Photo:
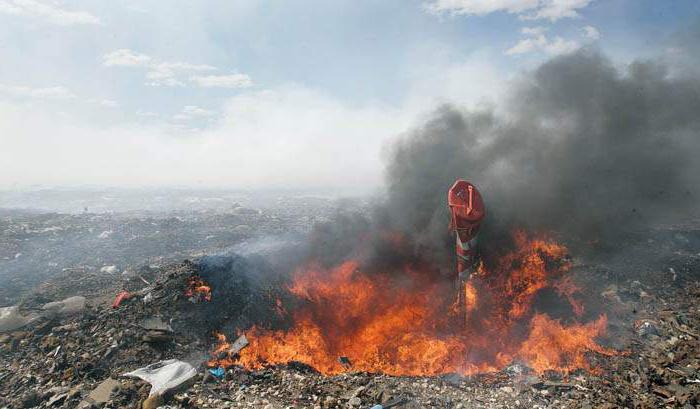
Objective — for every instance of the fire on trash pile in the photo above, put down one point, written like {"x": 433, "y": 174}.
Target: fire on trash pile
{"x": 211, "y": 333}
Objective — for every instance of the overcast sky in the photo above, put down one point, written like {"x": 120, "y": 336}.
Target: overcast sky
{"x": 245, "y": 94}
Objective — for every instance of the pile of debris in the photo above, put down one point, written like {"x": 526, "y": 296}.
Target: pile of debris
{"x": 147, "y": 343}
{"x": 662, "y": 363}
{"x": 40, "y": 246}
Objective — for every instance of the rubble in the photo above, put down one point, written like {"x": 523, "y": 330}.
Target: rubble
{"x": 38, "y": 246}
{"x": 77, "y": 359}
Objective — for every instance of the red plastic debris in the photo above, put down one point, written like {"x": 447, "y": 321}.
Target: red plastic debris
{"x": 122, "y": 296}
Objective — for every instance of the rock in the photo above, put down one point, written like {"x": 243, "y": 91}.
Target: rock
{"x": 101, "y": 394}
{"x": 355, "y": 402}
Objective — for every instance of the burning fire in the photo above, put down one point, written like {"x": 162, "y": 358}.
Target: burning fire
{"x": 221, "y": 355}
{"x": 403, "y": 324}
{"x": 197, "y": 289}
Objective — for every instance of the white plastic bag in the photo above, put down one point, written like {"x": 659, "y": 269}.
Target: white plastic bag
{"x": 164, "y": 375}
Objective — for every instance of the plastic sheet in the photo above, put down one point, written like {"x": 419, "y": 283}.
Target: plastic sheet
{"x": 11, "y": 319}
{"x": 164, "y": 375}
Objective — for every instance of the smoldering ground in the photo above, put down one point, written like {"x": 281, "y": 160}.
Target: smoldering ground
{"x": 585, "y": 149}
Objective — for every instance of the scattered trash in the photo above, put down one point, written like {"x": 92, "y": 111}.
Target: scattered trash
{"x": 218, "y": 372}
{"x": 240, "y": 343}
{"x": 611, "y": 294}
{"x": 109, "y": 269}
{"x": 390, "y": 404}
{"x": 155, "y": 324}
{"x": 157, "y": 337}
{"x": 344, "y": 361}
{"x": 110, "y": 351}
{"x": 646, "y": 328}
{"x": 121, "y": 297}
{"x": 57, "y": 399}
{"x": 65, "y": 328}
{"x": 65, "y": 364}
{"x": 164, "y": 375}
{"x": 517, "y": 368}
{"x": 674, "y": 275}
{"x": 101, "y": 394}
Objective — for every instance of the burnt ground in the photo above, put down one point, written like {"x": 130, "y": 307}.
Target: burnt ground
{"x": 650, "y": 292}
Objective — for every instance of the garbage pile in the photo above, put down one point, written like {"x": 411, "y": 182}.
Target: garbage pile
{"x": 75, "y": 353}
{"x": 38, "y": 246}
{"x": 146, "y": 342}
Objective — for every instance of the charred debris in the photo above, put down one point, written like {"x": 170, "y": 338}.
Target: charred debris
{"x": 70, "y": 354}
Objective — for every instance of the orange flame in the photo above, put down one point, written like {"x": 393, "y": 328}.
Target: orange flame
{"x": 220, "y": 354}
{"x": 197, "y": 289}
{"x": 222, "y": 343}
{"x": 550, "y": 345}
{"x": 529, "y": 268}
{"x": 400, "y": 323}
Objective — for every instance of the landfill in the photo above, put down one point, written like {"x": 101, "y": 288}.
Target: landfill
{"x": 67, "y": 343}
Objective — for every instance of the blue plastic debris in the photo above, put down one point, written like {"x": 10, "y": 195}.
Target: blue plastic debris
{"x": 218, "y": 372}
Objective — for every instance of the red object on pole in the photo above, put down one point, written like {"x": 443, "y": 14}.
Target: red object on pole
{"x": 467, "y": 211}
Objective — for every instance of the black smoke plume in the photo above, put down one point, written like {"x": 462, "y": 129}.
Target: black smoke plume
{"x": 584, "y": 149}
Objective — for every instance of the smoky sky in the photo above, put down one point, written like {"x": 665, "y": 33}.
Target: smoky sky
{"x": 584, "y": 149}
